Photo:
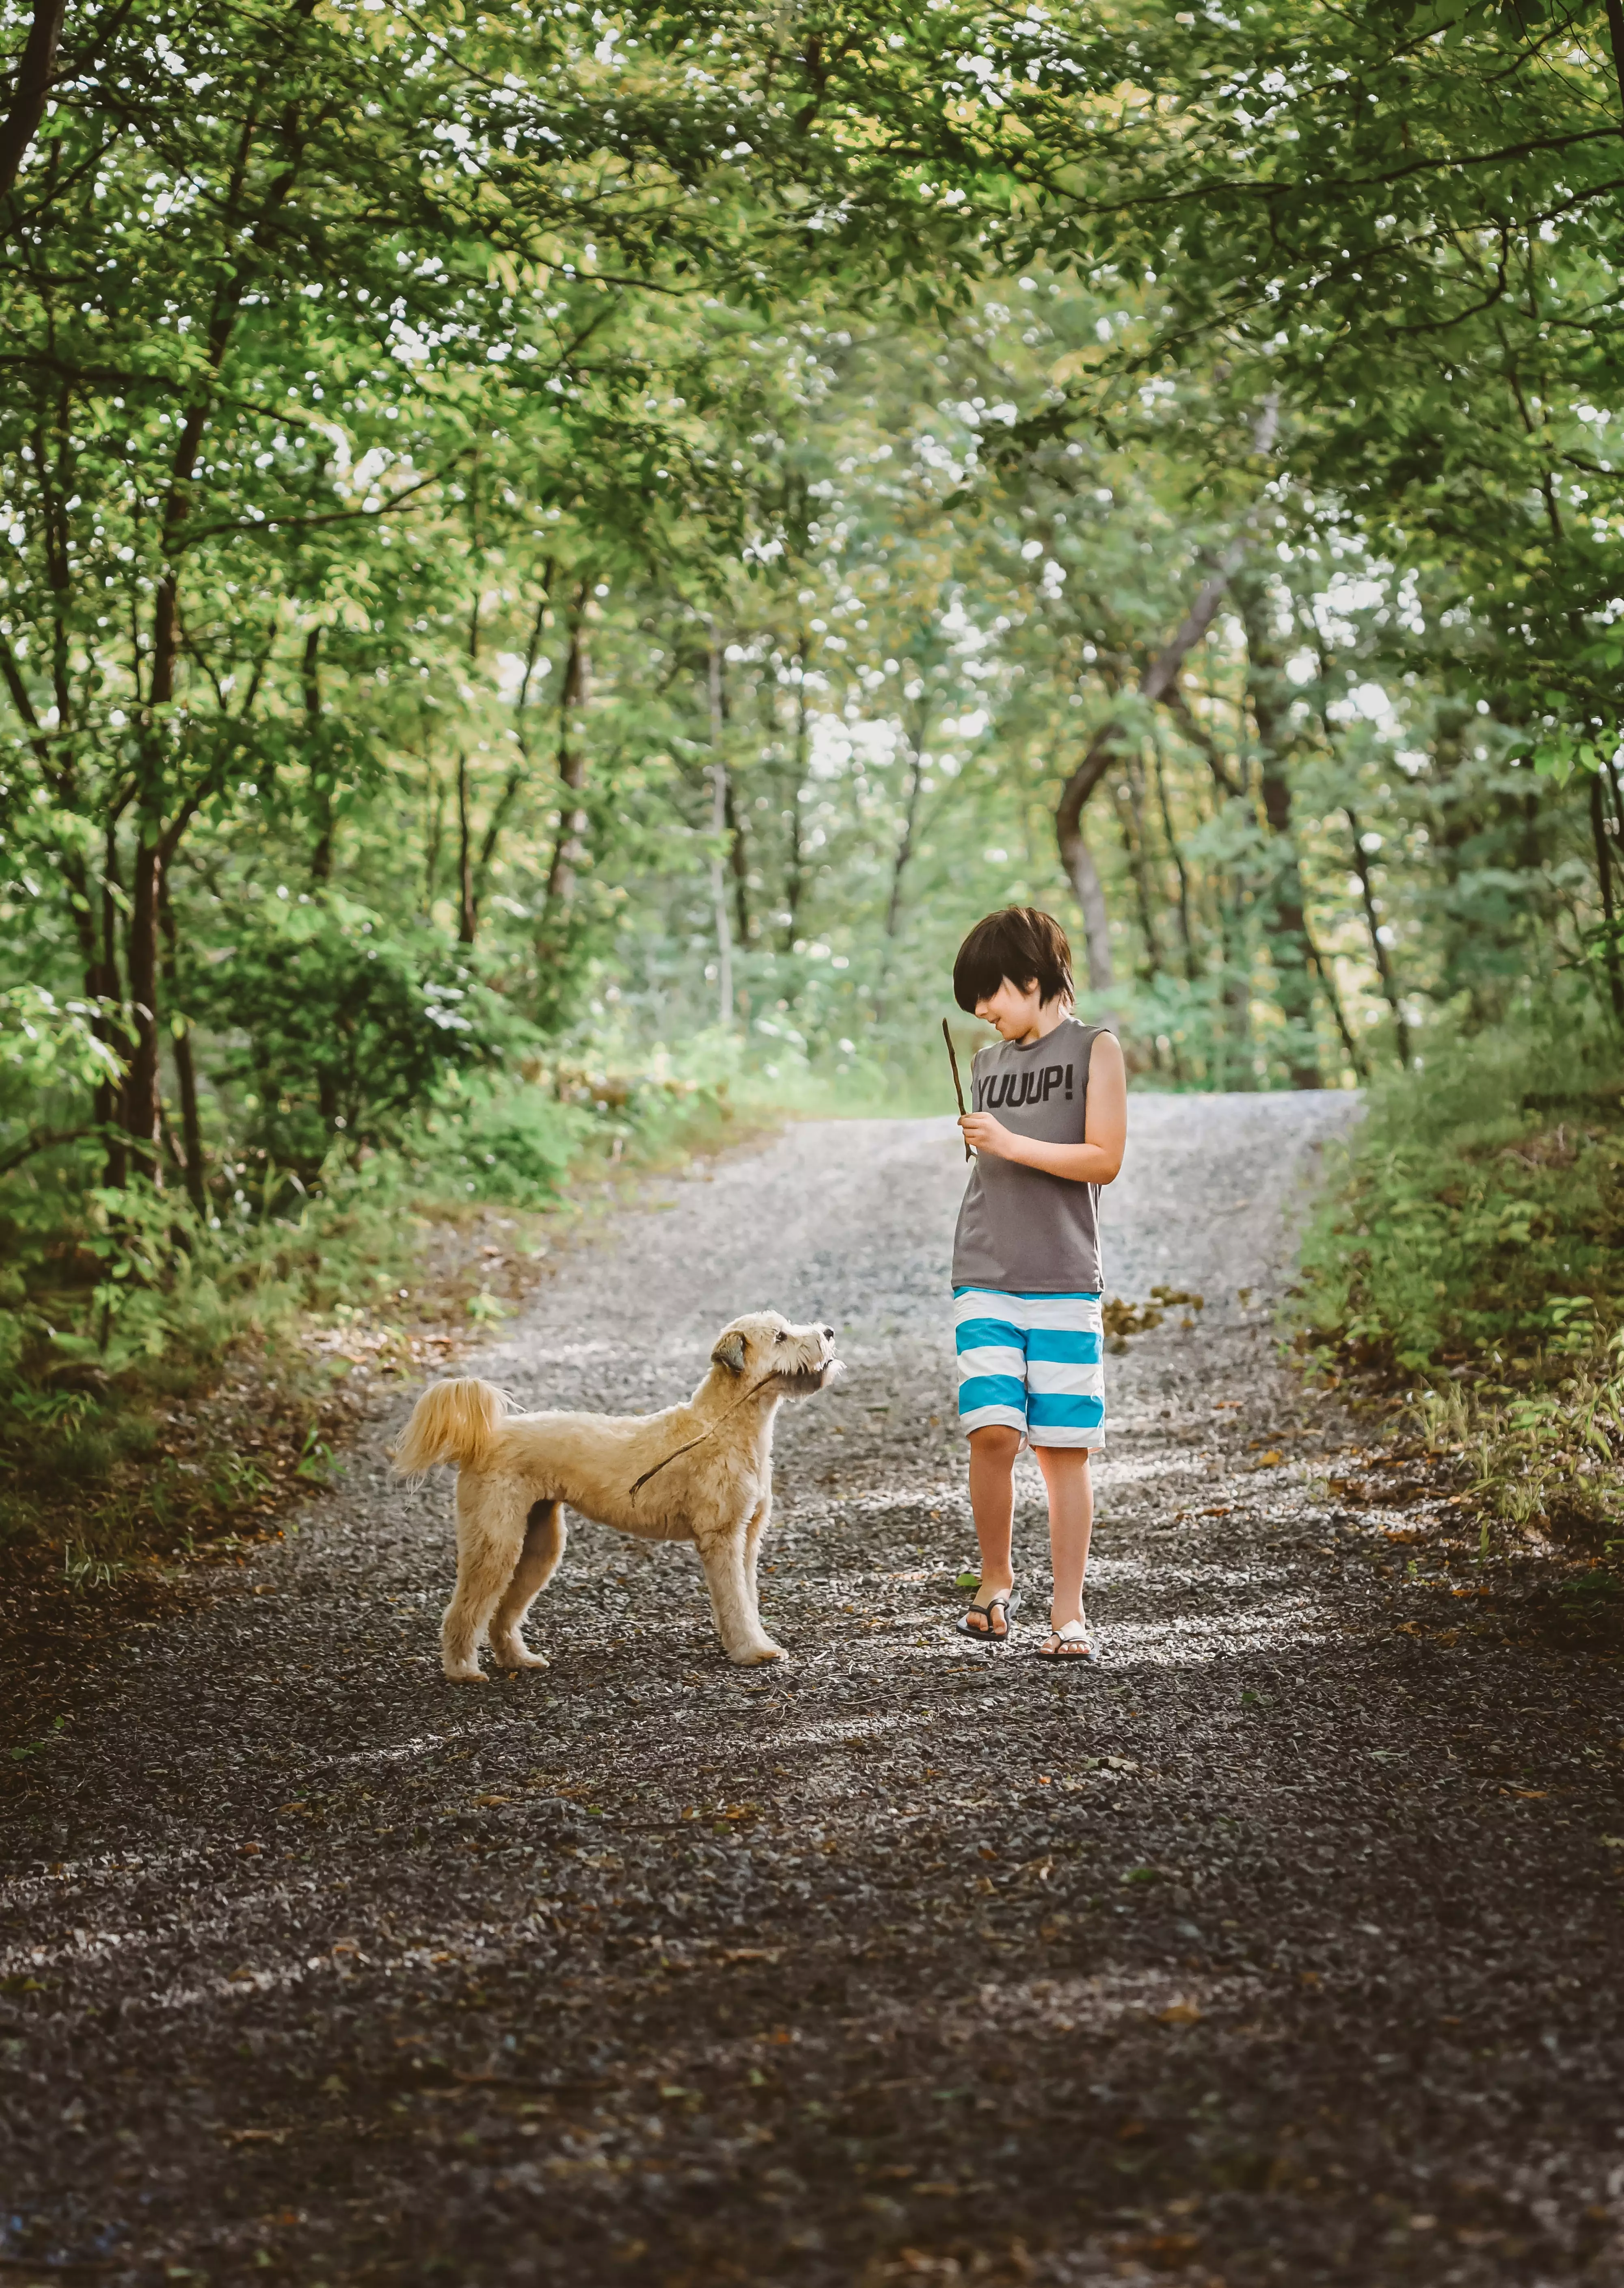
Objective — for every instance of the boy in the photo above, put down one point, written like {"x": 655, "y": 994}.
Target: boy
{"x": 1048, "y": 1123}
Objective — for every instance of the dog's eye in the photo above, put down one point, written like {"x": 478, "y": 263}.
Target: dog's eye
{"x": 781, "y": 1336}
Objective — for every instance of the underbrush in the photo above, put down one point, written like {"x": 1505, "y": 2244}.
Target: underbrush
{"x": 1468, "y": 1260}
{"x": 168, "y": 1379}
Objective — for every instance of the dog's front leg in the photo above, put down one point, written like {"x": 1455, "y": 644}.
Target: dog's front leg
{"x": 727, "y": 1573}
{"x": 753, "y": 1542}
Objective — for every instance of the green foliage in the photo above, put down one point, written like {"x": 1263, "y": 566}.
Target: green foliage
{"x": 1552, "y": 1455}
{"x": 1472, "y": 1243}
{"x": 1480, "y": 1216}
{"x": 349, "y": 1025}
{"x": 515, "y": 1147}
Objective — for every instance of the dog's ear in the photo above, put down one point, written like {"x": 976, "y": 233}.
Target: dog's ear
{"x": 729, "y": 1350}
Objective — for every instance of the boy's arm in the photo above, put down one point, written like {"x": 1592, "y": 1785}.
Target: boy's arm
{"x": 1097, "y": 1159}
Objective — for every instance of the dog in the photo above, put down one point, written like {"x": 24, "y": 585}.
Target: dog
{"x": 702, "y": 1472}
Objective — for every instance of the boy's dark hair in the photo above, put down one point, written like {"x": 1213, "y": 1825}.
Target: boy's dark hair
{"x": 1021, "y": 944}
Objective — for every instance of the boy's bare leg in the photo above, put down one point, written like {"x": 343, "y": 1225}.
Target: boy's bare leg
{"x": 1065, "y": 1474}
{"x": 993, "y": 1457}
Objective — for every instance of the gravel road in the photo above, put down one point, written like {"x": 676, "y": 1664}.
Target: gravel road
{"x": 1281, "y": 1946}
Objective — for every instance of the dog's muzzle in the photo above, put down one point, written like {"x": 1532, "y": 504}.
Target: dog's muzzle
{"x": 801, "y": 1381}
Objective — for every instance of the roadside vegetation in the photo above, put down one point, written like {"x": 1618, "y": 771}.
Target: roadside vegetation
{"x": 1467, "y": 1262}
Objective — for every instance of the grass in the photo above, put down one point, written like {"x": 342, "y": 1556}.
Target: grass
{"x": 1467, "y": 1259}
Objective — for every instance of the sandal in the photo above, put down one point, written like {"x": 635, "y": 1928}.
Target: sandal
{"x": 1068, "y": 1643}
{"x": 1005, "y": 1603}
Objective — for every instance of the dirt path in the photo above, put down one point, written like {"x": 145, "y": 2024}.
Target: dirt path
{"x": 1282, "y": 1947}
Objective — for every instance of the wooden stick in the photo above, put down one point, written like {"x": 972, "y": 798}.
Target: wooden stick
{"x": 958, "y": 1083}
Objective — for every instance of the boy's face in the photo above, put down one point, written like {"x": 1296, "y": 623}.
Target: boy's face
{"x": 1013, "y": 1009}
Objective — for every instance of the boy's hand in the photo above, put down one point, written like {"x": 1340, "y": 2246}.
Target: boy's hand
{"x": 985, "y": 1134}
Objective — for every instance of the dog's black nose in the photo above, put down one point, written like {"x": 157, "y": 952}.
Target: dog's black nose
{"x": 829, "y": 1332}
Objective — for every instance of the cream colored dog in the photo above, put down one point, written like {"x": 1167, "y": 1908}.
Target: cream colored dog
{"x": 700, "y": 1472}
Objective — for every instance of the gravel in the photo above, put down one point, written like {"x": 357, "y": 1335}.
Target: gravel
{"x": 1282, "y": 1945}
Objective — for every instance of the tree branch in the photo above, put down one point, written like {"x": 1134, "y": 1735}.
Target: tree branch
{"x": 43, "y": 1140}
{"x": 32, "y": 85}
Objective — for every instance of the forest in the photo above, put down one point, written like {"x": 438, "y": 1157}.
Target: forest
{"x": 557, "y": 558}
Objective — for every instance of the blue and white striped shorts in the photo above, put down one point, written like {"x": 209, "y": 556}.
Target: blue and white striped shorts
{"x": 1032, "y": 1362}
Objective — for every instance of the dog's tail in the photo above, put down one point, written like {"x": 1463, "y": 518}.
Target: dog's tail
{"x": 453, "y": 1421}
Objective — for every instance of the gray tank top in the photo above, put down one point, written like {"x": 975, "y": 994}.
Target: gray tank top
{"x": 1022, "y": 1231}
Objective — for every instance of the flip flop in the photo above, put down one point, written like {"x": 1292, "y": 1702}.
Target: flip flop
{"x": 1068, "y": 1643}
{"x": 1006, "y": 1605}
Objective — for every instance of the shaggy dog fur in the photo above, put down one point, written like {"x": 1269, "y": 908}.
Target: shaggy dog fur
{"x": 700, "y": 1472}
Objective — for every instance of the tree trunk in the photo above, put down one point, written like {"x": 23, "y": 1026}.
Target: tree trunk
{"x": 186, "y": 1074}
{"x": 155, "y": 844}
{"x": 467, "y": 920}
{"x": 433, "y": 835}
{"x": 140, "y": 1119}
{"x": 520, "y": 771}
{"x": 1604, "y": 870}
{"x": 1233, "y": 1066}
{"x": 1286, "y": 922}
{"x": 109, "y": 1095}
{"x": 33, "y": 88}
{"x": 904, "y": 847}
{"x": 738, "y": 860}
{"x": 1192, "y": 966}
{"x": 795, "y": 861}
{"x": 321, "y": 857}
{"x": 467, "y": 904}
{"x": 719, "y": 829}
{"x": 1237, "y": 989}
{"x": 1130, "y": 811}
{"x": 1328, "y": 979}
{"x": 571, "y": 847}
{"x": 1083, "y": 875}
{"x": 1372, "y": 923}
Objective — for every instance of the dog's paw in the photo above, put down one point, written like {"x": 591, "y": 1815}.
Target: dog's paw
{"x": 466, "y": 1676}
{"x": 521, "y": 1656}
{"x": 759, "y": 1655}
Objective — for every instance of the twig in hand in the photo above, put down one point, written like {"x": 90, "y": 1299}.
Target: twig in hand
{"x": 957, "y": 1085}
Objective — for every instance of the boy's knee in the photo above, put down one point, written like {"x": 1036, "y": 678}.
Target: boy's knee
{"x": 998, "y": 1441}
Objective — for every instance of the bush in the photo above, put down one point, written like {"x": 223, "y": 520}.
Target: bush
{"x": 1472, "y": 1250}
{"x": 515, "y": 1147}
{"x": 340, "y": 1023}
{"x": 1480, "y": 1211}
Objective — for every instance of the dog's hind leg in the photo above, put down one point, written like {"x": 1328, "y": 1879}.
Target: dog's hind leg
{"x": 727, "y": 1573}
{"x": 544, "y": 1536}
{"x": 490, "y": 1521}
